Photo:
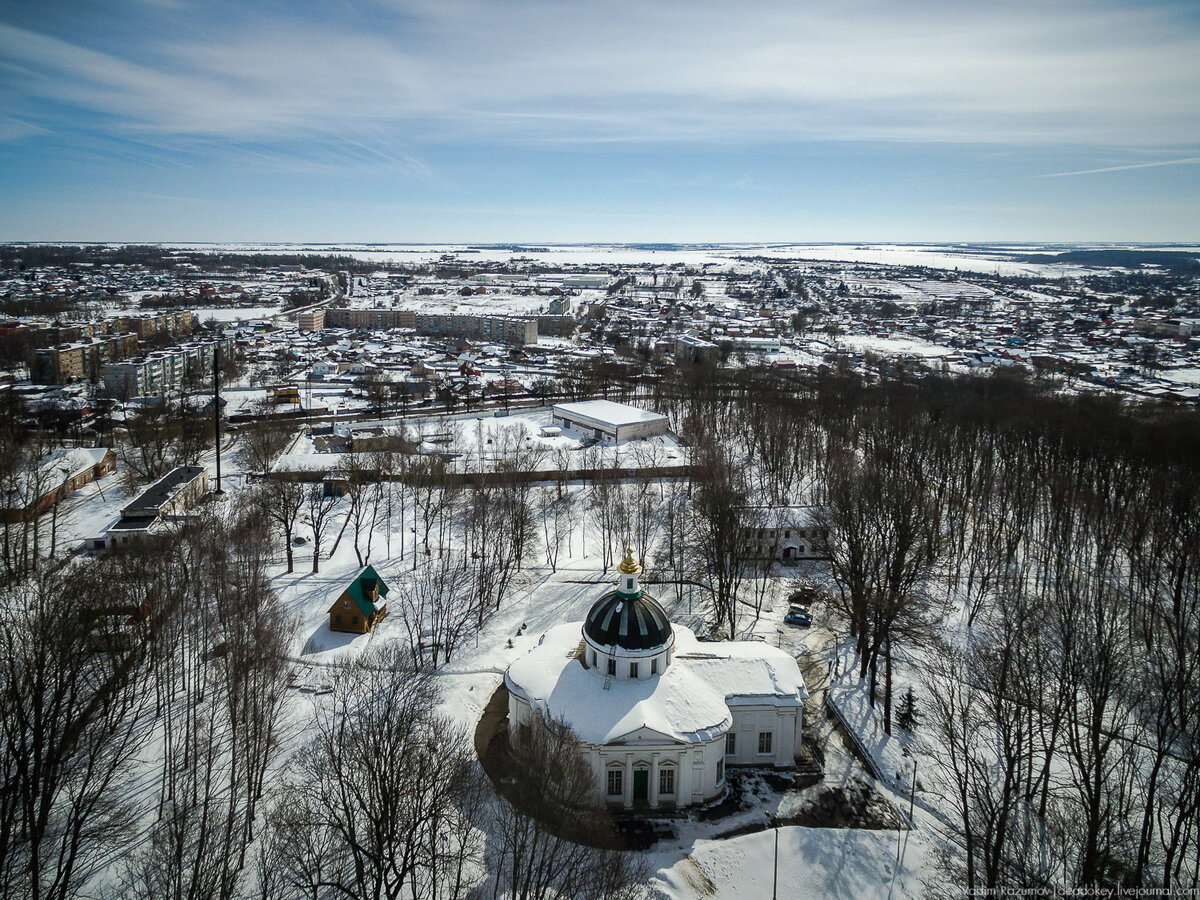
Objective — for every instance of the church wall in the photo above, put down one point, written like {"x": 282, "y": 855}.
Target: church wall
{"x": 783, "y": 724}
{"x": 696, "y": 771}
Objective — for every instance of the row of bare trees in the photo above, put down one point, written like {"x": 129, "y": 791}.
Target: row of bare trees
{"x": 1040, "y": 553}
{"x": 172, "y": 651}
{"x": 146, "y": 713}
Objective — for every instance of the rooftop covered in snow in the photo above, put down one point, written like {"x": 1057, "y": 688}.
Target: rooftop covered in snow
{"x": 689, "y": 702}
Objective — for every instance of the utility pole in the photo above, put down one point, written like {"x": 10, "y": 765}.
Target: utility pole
{"x": 217, "y": 408}
{"x": 775, "y": 877}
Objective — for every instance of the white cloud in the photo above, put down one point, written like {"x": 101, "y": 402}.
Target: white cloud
{"x": 1146, "y": 165}
{"x": 535, "y": 70}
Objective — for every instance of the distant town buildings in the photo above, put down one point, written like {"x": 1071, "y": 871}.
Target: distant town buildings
{"x": 82, "y": 350}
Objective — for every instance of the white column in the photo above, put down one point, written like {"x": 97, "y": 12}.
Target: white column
{"x": 600, "y": 775}
{"x": 653, "y": 792}
{"x": 627, "y": 782}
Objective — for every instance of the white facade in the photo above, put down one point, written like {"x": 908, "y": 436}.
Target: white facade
{"x": 785, "y": 533}
{"x": 656, "y": 722}
{"x": 607, "y": 421}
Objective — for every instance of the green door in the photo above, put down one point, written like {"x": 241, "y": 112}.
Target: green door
{"x": 641, "y": 784}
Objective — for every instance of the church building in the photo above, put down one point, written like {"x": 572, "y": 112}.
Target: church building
{"x": 659, "y": 714}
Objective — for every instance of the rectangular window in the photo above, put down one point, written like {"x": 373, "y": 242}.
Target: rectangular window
{"x": 720, "y": 770}
{"x": 654, "y": 667}
{"x": 633, "y": 670}
{"x": 730, "y": 744}
{"x": 614, "y": 782}
{"x": 666, "y": 781}
{"x": 764, "y": 741}
{"x": 612, "y": 667}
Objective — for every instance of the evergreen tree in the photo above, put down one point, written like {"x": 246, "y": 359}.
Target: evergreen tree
{"x": 907, "y": 716}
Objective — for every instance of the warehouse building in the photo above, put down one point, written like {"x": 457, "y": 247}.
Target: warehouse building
{"x": 607, "y": 421}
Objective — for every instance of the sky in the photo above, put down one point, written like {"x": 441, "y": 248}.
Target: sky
{"x": 615, "y": 121}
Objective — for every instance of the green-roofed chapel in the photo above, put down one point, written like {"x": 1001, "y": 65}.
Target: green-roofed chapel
{"x": 360, "y": 607}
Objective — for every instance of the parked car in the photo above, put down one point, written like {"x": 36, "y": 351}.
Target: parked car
{"x": 798, "y": 616}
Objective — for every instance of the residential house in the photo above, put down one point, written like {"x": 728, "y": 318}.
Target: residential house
{"x": 360, "y": 607}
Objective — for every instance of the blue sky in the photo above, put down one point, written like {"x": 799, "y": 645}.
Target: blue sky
{"x": 575, "y": 121}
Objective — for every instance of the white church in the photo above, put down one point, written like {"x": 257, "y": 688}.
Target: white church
{"x": 658, "y": 713}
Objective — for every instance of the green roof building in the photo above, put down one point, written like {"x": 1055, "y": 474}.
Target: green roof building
{"x": 361, "y": 605}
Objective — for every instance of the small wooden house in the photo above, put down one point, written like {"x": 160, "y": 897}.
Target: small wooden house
{"x": 360, "y": 607}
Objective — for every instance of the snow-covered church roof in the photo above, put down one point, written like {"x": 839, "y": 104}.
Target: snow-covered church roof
{"x": 688, "y": 703}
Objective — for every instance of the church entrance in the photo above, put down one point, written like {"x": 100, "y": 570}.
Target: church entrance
{"x": 641, "y": 783}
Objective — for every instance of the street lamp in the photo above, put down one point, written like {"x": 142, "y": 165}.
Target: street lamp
{"x": 912, "y": 796}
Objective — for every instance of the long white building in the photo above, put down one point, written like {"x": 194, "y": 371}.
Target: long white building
{"x": 607, "y": 421}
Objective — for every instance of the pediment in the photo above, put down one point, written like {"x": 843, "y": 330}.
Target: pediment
{"x": 643, "y": 735}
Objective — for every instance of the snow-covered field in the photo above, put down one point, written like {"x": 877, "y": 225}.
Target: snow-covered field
{"x": 722, "y": 256}
{"x": 893, "y": 345}
{"x": 474, "y": 443}
{"x": 234, "y": 313}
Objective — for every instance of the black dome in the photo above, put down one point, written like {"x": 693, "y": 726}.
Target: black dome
{"x": 637, "y": 624}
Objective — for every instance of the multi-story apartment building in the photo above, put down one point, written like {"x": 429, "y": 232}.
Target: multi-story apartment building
{"x": 176, "y": 323}
{"x": 82, "y": 359}
{"x": 507, "y": 329}
{"x": 161, "y": 371}
{"x": 311, "y": 320}
{"x": 695, "y": 351}
{"x": 370, "y": 319}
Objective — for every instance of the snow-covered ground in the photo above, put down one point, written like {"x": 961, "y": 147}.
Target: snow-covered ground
{"x": 234, "y": 313}
{"x": 474, "y": 442}
{"x": 849, "y": 863}
{"x": 813, "y": 861}
{"x": 695, "y": 863}
{"x": 893, "y": 346}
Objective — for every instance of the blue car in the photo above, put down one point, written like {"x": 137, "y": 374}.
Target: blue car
{"x": 798, "y": 616}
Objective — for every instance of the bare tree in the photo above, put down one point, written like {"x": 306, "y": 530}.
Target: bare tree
{"x": 282, "y": 500}
{"x": 550, "y": 827}
{"x": 437, "y": 607}
{"x": 317, "y": 515}
{"x": 719, "y": 536}
{"x": 366, "y": 493}
{"x": 73, "y": 703}
{"x": 263, "y": 439}
{"x": 404, "y": 829}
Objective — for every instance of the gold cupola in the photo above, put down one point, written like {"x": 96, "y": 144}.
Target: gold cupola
{"x": 627, "y": 576}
